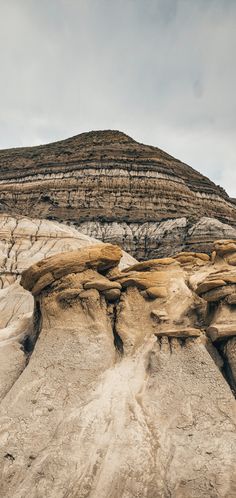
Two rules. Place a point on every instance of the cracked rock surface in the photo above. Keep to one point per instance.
(122, 395)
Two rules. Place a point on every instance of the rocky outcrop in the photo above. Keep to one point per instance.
(24, 242)
(118, 191)
(122, 395)
(219, 290)
(159, 239)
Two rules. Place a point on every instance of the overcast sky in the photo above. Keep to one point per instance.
(163, 71)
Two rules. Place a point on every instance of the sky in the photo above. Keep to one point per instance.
(162, 71)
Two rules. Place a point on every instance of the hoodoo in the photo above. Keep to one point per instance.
(122, 394)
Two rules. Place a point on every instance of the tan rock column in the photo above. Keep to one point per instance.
(184, 399)
(155, 300)
(219, 290)
(74, 346)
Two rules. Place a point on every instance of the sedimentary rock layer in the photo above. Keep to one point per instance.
(159, 239)
(117, 190)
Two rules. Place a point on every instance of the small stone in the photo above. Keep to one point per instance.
(181, 333)
(208, 285)
(221, 332)
(157, 292)
(112, 295)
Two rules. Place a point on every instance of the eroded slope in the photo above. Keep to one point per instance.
(122, 395)
(117, 190)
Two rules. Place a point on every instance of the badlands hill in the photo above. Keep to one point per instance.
(117, 377)
(117, 190)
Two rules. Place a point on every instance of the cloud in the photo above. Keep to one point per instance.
(161, 70)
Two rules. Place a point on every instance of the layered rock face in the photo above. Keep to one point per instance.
(122, 395)
(154, 239)
(117, 377)
(119, 191)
